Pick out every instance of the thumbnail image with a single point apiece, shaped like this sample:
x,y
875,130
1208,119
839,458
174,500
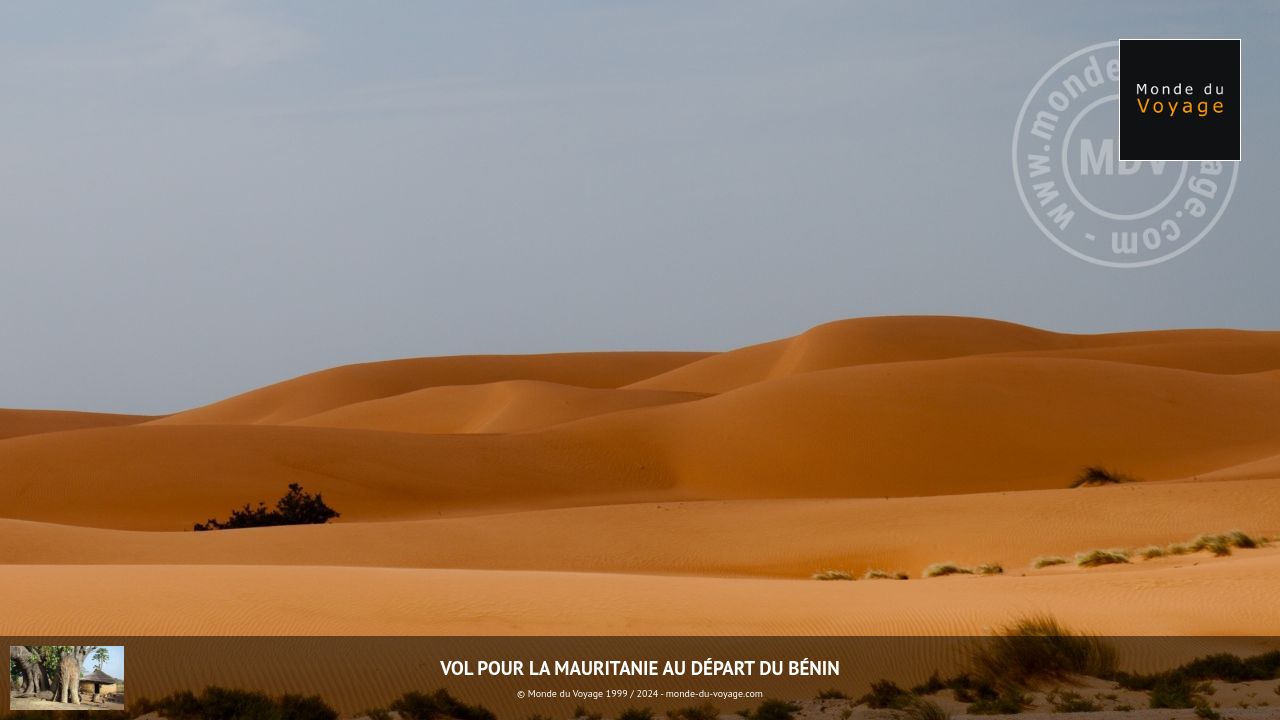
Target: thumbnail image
x,y
66,677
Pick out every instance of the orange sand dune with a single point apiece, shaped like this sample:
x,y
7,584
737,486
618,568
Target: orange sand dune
x,y
328,389
16,423
943,427
865,341
1228,357
165,477
502,407
723,538
1235,596
859,341
962,425
651,493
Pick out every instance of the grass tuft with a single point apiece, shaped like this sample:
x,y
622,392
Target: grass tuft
x,y
1242,540
1045,561
1040,648
1219,545
1096,558
926,710
990,569
1151,552
943,569
832,575
876,574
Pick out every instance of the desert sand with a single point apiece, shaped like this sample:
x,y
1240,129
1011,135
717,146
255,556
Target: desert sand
x,y
674,493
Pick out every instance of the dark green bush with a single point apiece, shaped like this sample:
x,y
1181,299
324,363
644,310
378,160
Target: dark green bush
x,y
1009,702
1097,475
933,685
295,508
1173,691
886,694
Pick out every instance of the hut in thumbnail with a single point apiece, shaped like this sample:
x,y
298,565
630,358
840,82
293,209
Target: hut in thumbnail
x,y
98,683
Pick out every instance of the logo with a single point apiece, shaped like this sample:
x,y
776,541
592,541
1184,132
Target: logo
x,y
1107,211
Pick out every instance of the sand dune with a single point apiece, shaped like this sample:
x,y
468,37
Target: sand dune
x,y
502,407
865,341
158,477
846,343
943,427
1220,356
226,600
966,425
17,423
1266,467
674,492
715,538
328,389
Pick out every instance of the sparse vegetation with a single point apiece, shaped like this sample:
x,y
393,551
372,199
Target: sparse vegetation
x,y
832,694
946,568
926,710
1009,702
1096,558
439,704
1064,701
775,710
1151,552
933,685
1173,691
295,508
989,569
832,575
216,703
886,694
1242,540
1095,475
1207,713
636,714
1219,545
876,574
1039,648
1220,666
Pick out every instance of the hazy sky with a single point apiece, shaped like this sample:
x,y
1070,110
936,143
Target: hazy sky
x,y
203,197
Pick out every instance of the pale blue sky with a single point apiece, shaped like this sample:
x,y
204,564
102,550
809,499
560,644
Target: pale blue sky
x,y
204,197
114,666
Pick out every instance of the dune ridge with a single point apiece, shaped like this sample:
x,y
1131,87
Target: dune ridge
x,y
500,407
530,493
20,423
328,389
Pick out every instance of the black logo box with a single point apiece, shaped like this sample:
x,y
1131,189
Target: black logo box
x,y
1186,66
